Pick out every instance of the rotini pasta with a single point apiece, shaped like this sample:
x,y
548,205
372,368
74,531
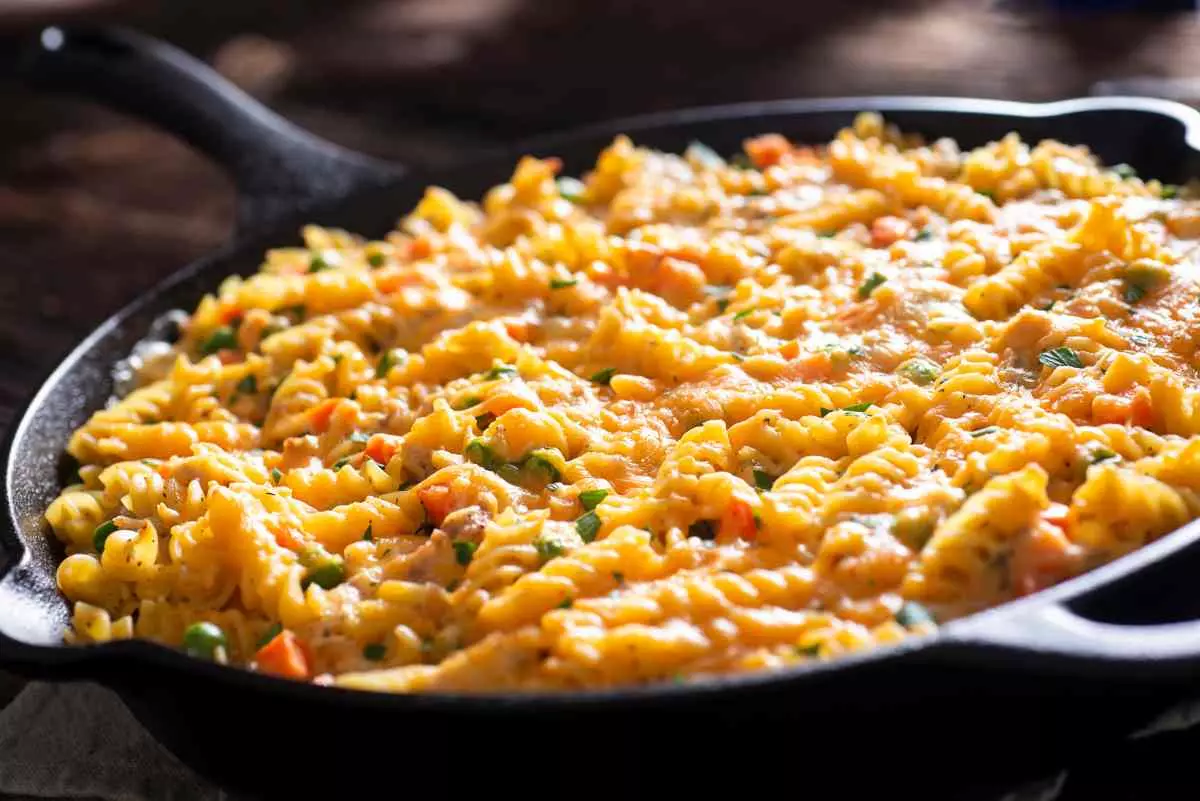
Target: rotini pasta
x,y
684,416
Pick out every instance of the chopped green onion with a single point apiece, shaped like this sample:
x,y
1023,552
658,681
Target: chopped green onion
x,y
539,462
858,408
203,639
1102,455
704,529
467,403
919,370
500,371
1060,357
565,604
327,574
547,548
386,362
763,480
563,283
913,614
868,286
320,262
743,314
101,534
572,189
587,526
276,475
923,235
340,463
484,420
369,535
464,551
271,633
1169,192
983,432
809,650
590,499
223,338
604,376
375,652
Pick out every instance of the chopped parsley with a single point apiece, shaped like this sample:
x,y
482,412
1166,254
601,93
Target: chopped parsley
x,y
464,551
500,371
587,526
590,499
276,475
919,370
563,283
327,574
743,314
548,549
224,338
604,376
1060,357
763,480
873,280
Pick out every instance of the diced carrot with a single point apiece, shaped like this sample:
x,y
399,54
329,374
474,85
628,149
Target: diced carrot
x,y
437,503
767,149
321,414
790,349
518,329
677,279
1111,409
283,656
1141,411
287,539
737,521
603,274
380,449
554,163
1044,556
1056,514
389,279
886,230
229,314
420,247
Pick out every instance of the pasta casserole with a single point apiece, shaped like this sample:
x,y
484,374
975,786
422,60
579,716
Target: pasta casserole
x,y
680,416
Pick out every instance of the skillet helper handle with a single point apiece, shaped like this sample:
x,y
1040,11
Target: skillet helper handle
x,y
278,168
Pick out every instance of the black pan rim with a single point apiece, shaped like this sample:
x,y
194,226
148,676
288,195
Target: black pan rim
x,y
954,635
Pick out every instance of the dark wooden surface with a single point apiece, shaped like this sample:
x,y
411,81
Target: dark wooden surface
x,y
94,207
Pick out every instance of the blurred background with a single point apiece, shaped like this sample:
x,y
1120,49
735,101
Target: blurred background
x,y
86,195
95,207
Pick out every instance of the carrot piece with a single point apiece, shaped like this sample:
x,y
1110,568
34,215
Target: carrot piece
x,y
380,449
886,230
420,248
437,503
283,656
229,314
767,149
789,349
1111,409
737,521
322,413
1056,514
1045,556
1141,409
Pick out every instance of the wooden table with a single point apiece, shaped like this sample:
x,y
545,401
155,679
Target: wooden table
x,y
94,208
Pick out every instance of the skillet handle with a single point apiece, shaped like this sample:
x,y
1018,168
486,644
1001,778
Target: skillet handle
x,y
278,168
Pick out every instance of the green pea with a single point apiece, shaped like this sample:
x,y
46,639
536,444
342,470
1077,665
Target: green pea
x,y
326,574
223,338
203,639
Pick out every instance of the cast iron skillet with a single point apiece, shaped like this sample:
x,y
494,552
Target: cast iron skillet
x,y
1005,691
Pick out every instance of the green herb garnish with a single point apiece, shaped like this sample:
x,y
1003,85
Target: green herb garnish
x,y
1060,357
540,463
604,376
983,432
376,258
763,480
327,574
563,283
276,475
101,534
224,338
271,633
203,640
587,526
868,286
500,371
548,549
387,361
478,452
590,499
743,314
